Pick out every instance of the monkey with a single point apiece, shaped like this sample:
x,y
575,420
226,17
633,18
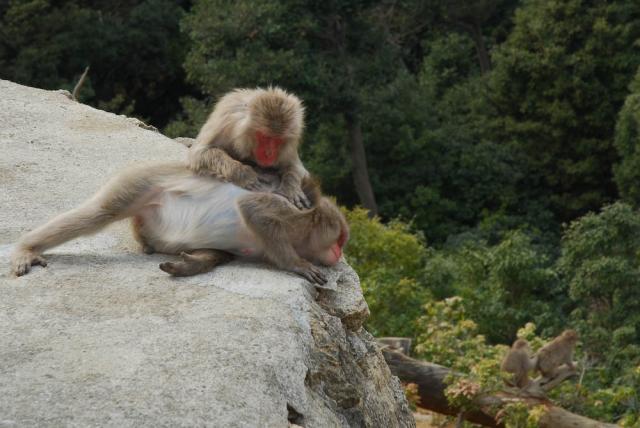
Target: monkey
x,y
253,126
555,353
207,221
518,361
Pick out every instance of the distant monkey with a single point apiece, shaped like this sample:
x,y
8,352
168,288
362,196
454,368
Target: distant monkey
x,y
518,362
259,126
207,221
557,352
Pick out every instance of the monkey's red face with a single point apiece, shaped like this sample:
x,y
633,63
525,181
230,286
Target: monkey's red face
x,y
267,149
333,254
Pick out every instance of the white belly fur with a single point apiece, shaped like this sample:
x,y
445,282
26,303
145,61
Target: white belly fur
x,y
198,212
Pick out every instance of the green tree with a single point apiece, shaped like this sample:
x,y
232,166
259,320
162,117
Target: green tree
x,y
432,161
502,286
134,48
601,262
627,142
556,87
332,53
388,259
471,16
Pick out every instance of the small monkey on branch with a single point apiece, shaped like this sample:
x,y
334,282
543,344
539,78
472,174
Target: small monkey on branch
x,y
207,221
556,353
553,361
519,362
256,126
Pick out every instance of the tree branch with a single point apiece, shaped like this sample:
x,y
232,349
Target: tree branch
x,y
76,89
430,379
431,385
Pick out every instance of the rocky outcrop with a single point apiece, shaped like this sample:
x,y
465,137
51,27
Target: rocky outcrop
x,y
102,337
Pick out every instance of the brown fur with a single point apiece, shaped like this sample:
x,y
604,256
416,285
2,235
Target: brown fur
x,y
281,229
518,362
292,239
227,139
556,353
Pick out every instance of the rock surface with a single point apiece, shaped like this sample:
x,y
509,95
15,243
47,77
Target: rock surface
x,y
102,337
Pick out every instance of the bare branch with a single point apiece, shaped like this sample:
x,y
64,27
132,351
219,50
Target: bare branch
x,y
76,89
584,369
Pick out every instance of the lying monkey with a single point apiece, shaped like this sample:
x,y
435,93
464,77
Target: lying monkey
x,y
208,222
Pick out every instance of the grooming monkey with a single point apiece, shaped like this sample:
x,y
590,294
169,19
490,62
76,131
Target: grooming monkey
x,y
205,220
258,126
557,352
518,361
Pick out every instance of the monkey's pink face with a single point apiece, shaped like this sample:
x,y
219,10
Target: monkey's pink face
x,y
267,149
331,256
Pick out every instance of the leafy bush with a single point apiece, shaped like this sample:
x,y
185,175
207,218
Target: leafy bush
x,y
449,337
388,259
627,142
502,286
600,259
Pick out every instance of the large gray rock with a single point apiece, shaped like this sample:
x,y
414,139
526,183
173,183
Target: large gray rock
x,y
102,337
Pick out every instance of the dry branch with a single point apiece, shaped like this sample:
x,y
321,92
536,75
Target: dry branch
x,y
76,89
430,379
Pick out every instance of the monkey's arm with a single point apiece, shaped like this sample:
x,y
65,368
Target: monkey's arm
x,y
291,184
266,216
204,159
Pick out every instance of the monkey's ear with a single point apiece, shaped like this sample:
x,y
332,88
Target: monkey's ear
x,y
311,188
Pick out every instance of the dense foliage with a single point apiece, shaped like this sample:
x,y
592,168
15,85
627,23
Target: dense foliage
x,y
477,298
134,49
500,146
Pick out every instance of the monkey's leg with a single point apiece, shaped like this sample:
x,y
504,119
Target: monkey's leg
x,y
116,200
137,230
522,380
198,261
570,364
550,373
79,221
266,215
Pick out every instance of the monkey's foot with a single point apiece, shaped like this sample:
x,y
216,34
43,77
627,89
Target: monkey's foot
x,y
311,273
171,268
21,262
198,261
190,264
179,268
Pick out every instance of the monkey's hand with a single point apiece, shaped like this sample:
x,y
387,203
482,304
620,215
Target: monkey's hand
x,y
295,196
22,260
245,177
310,272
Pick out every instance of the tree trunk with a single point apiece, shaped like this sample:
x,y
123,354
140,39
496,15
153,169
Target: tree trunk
x,y
481,48
359,163
430,379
